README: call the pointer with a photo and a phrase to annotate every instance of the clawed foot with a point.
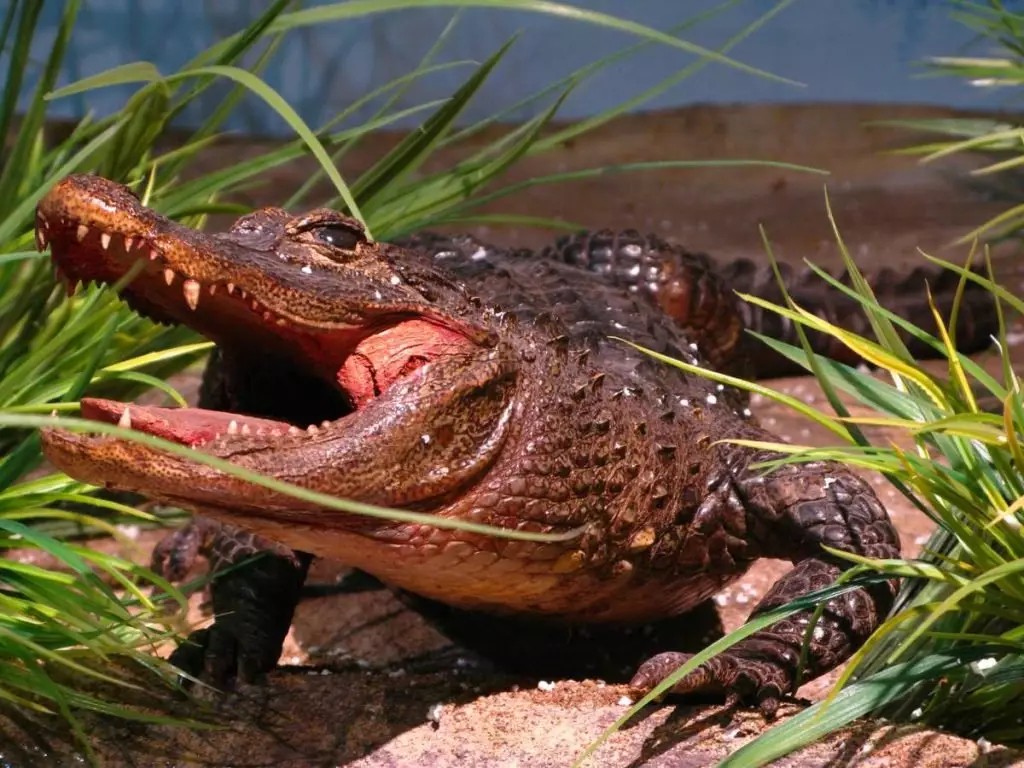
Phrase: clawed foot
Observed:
(176, 553)
(252, 602)
(744, 680)
(224, 658)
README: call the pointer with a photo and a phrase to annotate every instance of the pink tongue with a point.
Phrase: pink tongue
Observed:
(188, 426)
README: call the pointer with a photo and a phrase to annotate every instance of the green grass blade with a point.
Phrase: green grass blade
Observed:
(858, 700)
(413, 150)
(358, 8)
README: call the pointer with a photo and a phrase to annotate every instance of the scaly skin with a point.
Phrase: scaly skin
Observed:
(697, 293)
(469, 384)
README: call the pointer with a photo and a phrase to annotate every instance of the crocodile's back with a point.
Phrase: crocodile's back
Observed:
(594, 316)
(700, 296)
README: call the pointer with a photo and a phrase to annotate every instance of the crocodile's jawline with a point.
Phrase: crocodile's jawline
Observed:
(369, 363)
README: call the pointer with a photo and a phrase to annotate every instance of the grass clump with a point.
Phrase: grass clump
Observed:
(92, 612)
(949, 655)
(999, 141)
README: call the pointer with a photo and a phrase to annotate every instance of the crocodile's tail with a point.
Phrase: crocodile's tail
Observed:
(902, 293)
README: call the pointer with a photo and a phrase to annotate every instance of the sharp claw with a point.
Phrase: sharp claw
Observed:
(744, 684)
(769, 707)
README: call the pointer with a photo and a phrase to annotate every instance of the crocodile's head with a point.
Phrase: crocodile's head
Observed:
(420, 386)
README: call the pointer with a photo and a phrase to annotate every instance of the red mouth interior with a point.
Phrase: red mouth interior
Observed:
(188, 426)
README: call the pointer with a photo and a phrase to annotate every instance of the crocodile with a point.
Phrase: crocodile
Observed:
(444, 376)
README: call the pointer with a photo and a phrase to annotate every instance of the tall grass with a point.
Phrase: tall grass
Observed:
(55, 347)
(999, 69)
(950, 654)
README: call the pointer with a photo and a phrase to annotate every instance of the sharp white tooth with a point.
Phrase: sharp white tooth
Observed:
(231, 288)
(233, 427)
(255, 304)
(126, 419)
(213, 289)
(105, 240)
(191, 291)
(128, 241)
(246, 430)
(242, 293)
(153, 255)
(42, 220)
(275, 433)
(168, 275)
(81, 232)
(291, 430)
(267, 316)
(40, 239)
(311, 429)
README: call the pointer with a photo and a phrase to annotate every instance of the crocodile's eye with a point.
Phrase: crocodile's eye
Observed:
(339, 236)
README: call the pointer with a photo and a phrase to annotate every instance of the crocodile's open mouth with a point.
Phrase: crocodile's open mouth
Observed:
(98, 232)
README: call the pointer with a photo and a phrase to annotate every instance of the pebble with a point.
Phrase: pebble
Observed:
(434, 712)
(983, 664)
(130, 531)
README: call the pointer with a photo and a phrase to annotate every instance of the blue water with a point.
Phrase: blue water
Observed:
(840, 50)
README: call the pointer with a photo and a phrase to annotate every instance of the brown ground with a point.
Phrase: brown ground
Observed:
(365, 681)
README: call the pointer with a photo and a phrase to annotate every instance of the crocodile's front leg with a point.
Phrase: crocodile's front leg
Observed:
(791, 513)
(253, 604)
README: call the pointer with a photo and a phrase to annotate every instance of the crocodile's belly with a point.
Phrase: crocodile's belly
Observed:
(501, 576)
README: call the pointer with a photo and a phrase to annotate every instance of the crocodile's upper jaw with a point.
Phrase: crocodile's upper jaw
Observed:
(310, 288)
(309, 291)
